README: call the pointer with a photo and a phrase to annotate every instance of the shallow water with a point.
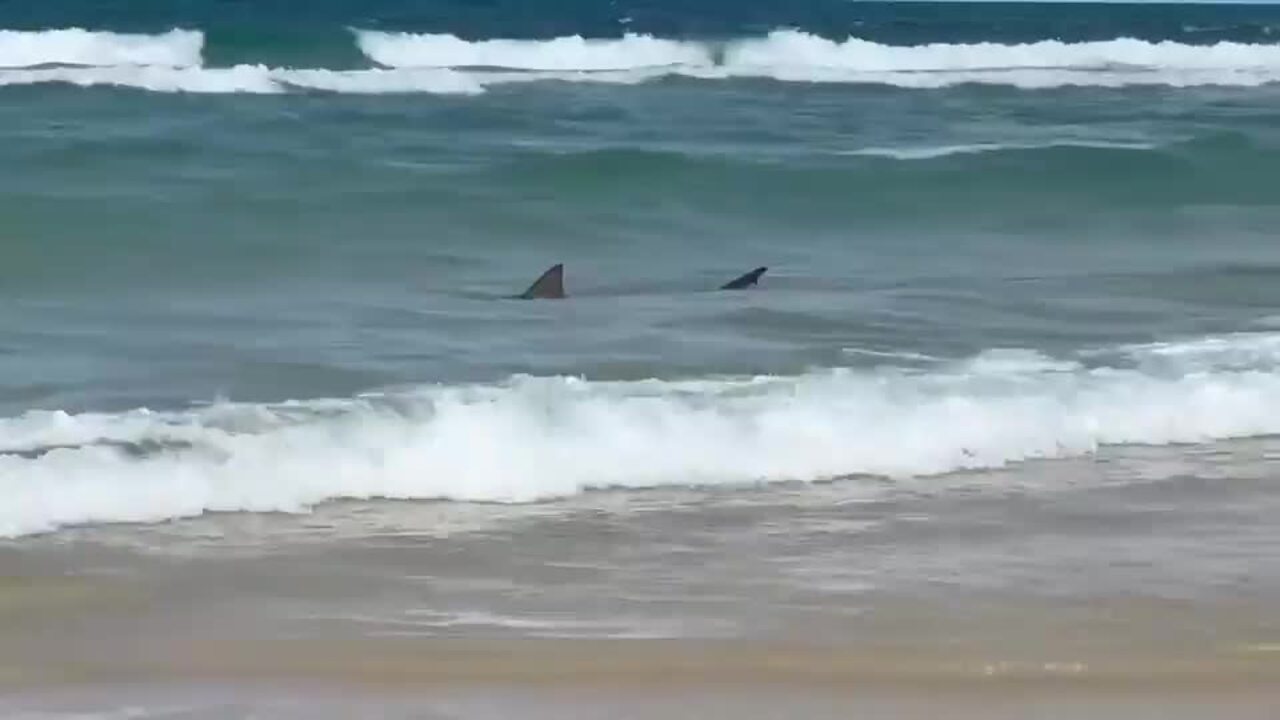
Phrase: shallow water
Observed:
(1001, 407)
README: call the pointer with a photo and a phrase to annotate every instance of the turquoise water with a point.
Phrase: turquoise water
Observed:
(1044, 229)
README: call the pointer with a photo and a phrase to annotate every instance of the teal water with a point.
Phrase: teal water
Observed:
(165, 248)
(263, 211)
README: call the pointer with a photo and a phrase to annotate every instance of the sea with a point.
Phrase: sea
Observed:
(994, 436)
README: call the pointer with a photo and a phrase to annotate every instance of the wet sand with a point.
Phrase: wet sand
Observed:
(1053, 591)
(632, 679)
(91, 646)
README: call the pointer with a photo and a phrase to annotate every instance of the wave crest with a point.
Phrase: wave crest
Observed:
(442, 63)
(789, 48)
(538, 438)
(795, 56)
(403, 50)
(251, 79)
(75, 46)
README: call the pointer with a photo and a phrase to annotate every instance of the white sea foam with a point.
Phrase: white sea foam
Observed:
(445, 64)
(538, 438)
(238, 79)
(788, 48)
(75, 46)
(255, 79)
(562, 53)
(441, 81)
(446, 81)
(793, 56)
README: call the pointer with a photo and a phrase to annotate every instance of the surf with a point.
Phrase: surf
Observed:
(80, 47)
(532, 439)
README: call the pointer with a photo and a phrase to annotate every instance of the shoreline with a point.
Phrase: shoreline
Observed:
(638, 679)
(688, 663)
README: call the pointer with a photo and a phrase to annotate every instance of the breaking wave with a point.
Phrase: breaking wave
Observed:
(795, 49)
(75, 46)
(444, 63)
(563, 53)
(789, 55)
(255, 79)
(532, 439)
(788, 48)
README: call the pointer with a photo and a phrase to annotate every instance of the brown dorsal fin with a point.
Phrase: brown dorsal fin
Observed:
(548, 287)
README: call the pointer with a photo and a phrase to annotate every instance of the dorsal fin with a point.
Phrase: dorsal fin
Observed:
(548, 287)
(745, 281)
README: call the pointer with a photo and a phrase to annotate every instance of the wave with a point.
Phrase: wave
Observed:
(252, 79)
(788, 48)
(240, 79)
(532, 439)
(794, 56)
(437, 81)
(1021, 79)
(260, 79)
(933, 152)
(795, 49)
(75, 46)
(441, 63)
(823, 184)
(563, 53)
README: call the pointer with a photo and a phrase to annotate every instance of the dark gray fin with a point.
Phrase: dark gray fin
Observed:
(548, 287)
(745, 281)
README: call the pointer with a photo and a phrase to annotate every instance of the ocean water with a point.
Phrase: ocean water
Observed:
(1007, 390)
